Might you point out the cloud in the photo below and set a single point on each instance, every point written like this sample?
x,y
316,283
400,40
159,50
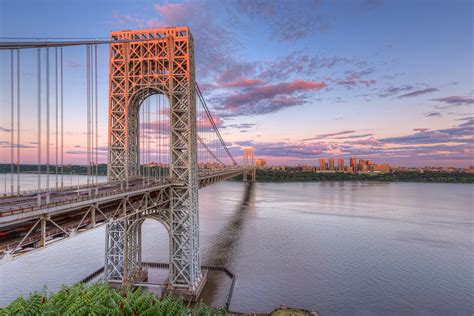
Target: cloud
x,y
463,133
370,141
354,136
456,100
300,64
21,146
433,114
388,92
241,126
417,93
329,135
284,149
268,98
6,130
213,40
467,121
354,78
449,146
242,83
421,129
287,20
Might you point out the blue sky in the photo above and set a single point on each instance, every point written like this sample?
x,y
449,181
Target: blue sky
x,y
391,81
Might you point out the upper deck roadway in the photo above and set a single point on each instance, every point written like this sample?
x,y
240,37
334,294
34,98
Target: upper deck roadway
x,y
26,224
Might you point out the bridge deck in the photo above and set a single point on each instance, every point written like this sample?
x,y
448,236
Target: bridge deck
x,y
68,210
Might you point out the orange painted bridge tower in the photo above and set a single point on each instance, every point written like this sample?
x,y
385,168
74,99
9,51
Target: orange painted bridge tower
x,y
143,63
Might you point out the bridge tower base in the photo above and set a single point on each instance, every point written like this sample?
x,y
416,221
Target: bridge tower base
x,y
253,176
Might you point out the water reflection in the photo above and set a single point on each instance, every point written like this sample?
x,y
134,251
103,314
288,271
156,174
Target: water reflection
x,y
222,250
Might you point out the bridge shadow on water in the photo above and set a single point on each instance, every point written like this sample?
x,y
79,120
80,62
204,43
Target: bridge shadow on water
x,y
223,249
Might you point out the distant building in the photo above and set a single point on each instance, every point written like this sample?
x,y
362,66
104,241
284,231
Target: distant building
x,y
382,168
260,163
331,164
353,164
306,168
322,164
340,165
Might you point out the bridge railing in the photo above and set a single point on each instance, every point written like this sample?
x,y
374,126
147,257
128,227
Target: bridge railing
x,y
58,189
35,207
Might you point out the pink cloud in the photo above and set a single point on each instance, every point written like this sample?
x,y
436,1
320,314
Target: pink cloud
x,y
270,91
421,129
242,83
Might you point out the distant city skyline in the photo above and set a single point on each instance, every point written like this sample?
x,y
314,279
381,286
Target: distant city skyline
x,y
297,80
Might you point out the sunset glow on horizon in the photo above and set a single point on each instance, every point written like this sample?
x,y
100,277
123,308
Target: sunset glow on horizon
x,y
296,80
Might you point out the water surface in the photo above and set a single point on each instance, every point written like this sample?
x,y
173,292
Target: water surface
x,y
339,247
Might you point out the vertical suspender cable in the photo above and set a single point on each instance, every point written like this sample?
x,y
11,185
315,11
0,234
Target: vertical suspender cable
x,y
142,140
92,115
96,117
18,121
145,137
148,136
47,118
62,119
39,121
12,121
160,151
158,101
56,112
88,111
93,131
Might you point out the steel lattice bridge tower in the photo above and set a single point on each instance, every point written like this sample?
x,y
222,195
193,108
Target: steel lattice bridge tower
x,y
162,64
143,63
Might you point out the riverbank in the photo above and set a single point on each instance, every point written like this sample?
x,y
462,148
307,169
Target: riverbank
x,y
426,177
265,175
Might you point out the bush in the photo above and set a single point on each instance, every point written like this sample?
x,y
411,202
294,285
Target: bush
x,y
100,299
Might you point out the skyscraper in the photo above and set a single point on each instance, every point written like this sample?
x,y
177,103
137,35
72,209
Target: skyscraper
x,y
353,164
331,164
340,164
322,164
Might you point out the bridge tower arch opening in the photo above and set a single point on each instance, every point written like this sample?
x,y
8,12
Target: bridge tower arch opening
x,y
142,63
149,128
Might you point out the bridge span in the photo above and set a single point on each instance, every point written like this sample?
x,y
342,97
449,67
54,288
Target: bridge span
x,y
26,226
154,166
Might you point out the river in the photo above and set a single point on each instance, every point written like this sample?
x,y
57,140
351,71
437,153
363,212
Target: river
x,y
342,248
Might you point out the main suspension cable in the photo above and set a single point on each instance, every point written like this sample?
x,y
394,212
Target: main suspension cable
x,y
209,115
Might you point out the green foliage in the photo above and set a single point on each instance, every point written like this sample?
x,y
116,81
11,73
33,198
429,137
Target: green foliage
x,y
100,299
399,176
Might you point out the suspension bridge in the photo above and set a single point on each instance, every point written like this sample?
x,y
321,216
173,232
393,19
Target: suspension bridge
x,y
163,145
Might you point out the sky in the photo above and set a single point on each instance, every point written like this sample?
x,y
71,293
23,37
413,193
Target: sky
x,y
390,81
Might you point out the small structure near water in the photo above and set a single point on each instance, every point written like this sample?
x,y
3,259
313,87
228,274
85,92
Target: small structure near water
x,y
288,311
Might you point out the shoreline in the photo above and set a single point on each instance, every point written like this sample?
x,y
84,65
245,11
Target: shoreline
x,y
267,176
